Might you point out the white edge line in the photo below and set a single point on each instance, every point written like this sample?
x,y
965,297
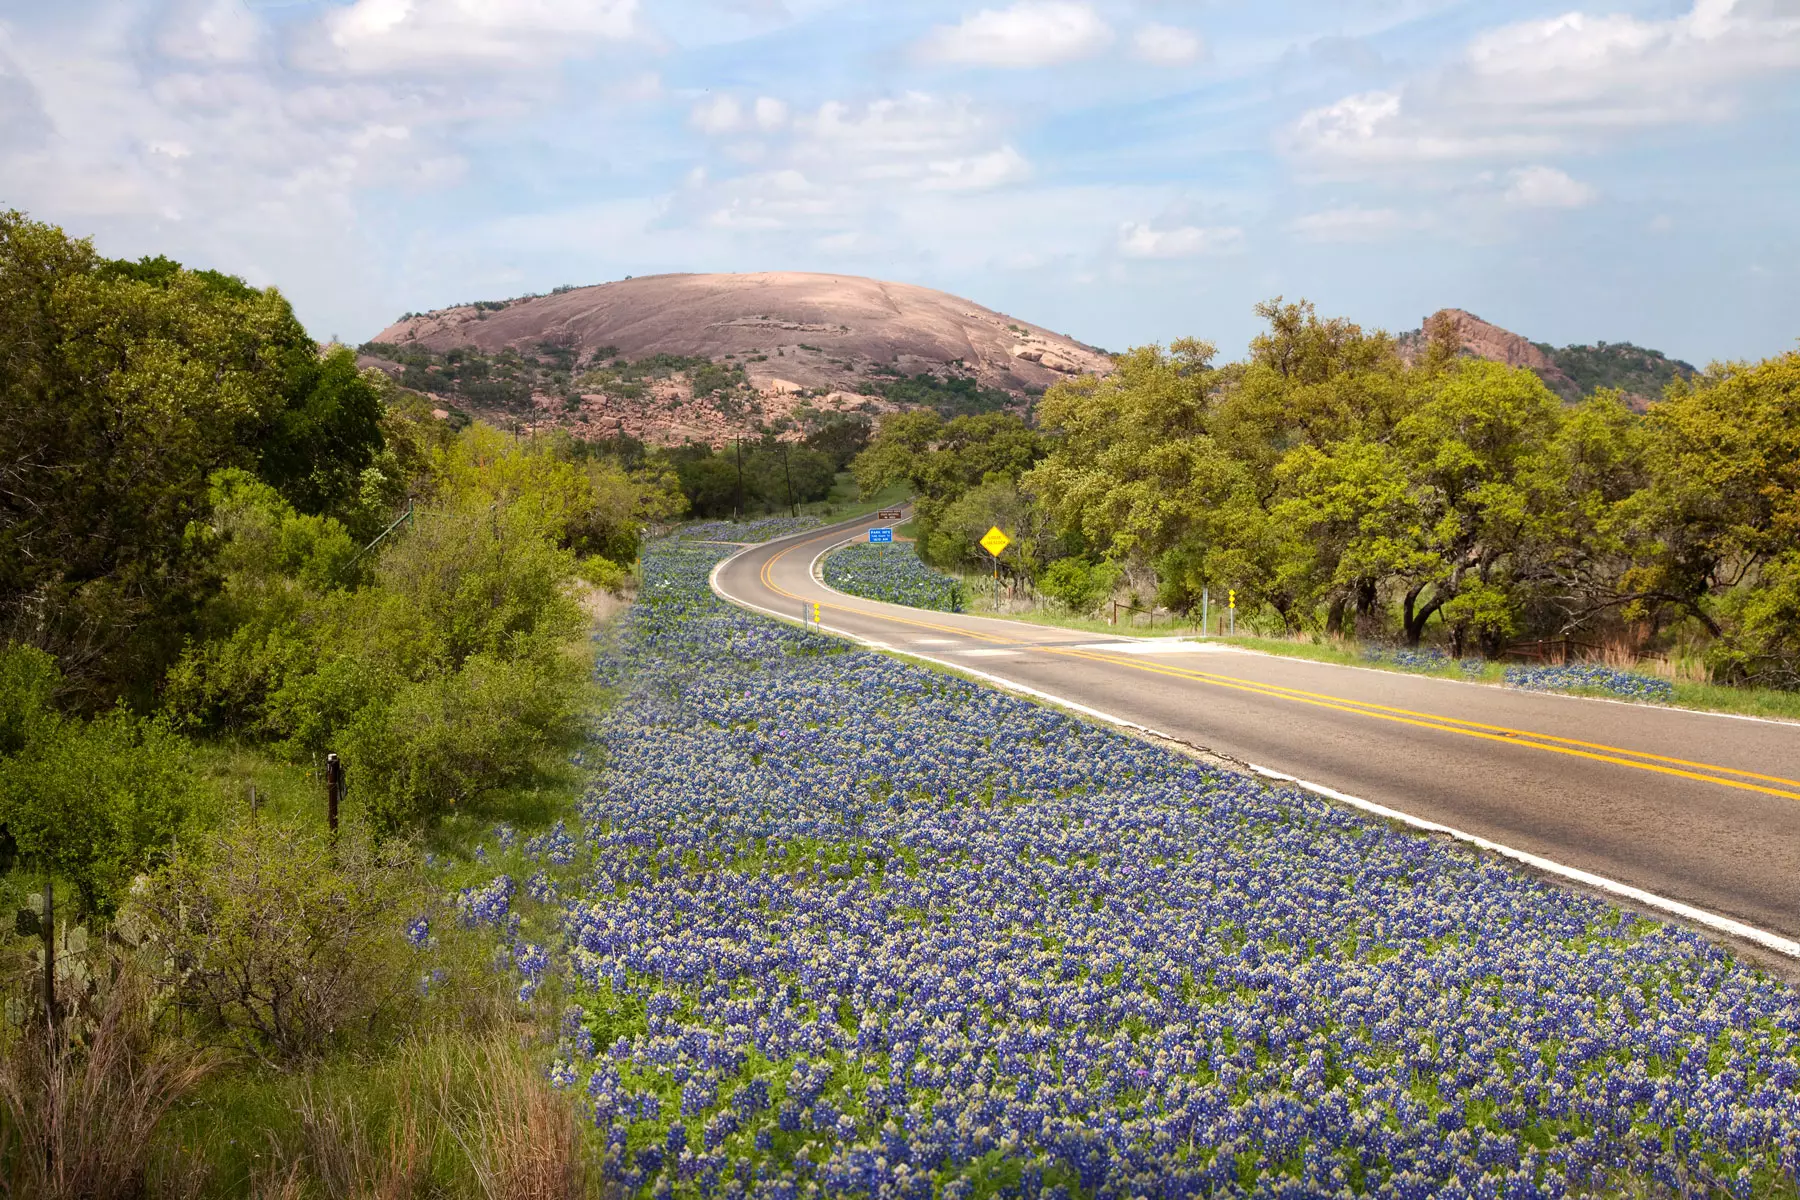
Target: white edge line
x,y
819,578
1699,916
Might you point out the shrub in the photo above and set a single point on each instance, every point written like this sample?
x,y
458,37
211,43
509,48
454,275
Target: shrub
x,y
91,801
1080,585
278,942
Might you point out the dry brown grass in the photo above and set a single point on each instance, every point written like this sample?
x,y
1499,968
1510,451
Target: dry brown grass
x,y
453,1116
82,1103
522,1141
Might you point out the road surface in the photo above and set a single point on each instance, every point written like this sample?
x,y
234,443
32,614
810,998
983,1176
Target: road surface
x,y
1698,808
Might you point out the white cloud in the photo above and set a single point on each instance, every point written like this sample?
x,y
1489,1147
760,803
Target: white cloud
x,y
978,172
1532,88
1137,240
1031,33
723,114
845,169
1547,187
400,35
770,113
218,31
1168,45
1348,224
717,114
892,135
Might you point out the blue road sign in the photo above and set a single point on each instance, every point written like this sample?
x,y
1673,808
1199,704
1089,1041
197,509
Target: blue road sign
x,y
881,535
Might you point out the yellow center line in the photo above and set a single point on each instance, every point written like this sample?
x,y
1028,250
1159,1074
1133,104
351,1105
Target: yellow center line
x,y
1283,691
1504,735
1442,726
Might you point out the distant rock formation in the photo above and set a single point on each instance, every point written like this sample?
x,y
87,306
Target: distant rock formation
x,y
827,342
1571,371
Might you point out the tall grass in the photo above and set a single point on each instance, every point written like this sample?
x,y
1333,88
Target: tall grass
x,y
451,1115
80,1102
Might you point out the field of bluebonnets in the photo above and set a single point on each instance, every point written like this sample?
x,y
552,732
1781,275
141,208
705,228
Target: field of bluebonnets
x,y
1590,677
894,573
835,925
764,529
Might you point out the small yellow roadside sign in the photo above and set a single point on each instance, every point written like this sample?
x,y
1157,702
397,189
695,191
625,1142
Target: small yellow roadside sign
x,y
993,541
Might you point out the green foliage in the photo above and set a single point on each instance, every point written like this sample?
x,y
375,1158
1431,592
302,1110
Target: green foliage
x,y
1618,366
123,387
91,802
947,395
1079,585
1332,485
763,476
840,439
282,943
1721,515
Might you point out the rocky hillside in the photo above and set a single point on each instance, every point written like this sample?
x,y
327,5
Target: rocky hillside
x,y
1571,371
668,358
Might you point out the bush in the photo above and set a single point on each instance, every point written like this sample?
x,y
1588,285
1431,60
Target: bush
x,y
1078,584
281,943
91,801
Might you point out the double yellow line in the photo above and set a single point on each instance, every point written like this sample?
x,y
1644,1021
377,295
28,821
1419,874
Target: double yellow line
x,y
1681,768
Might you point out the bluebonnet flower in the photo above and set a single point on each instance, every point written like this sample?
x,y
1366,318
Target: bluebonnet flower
x,y
766,529
885,929
1591,678
490,905
892,572
418,931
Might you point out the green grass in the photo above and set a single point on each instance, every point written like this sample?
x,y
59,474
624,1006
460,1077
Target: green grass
x,y
846,502
980,592
291,792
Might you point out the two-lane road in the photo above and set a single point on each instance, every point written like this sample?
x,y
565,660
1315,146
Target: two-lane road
x,y
1698,808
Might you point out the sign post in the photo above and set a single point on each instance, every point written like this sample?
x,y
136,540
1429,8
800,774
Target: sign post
x,y
993,541
1232,594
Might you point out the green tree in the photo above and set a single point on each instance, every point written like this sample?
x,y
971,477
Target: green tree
x,y
946,463
123,387
1716,529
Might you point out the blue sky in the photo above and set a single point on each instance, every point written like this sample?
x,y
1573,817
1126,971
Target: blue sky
x,y
1124,171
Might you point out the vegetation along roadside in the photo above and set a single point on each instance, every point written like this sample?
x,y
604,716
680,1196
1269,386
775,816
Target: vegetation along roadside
x,y
271,560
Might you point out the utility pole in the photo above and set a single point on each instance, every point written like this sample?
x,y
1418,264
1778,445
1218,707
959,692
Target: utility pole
x,y
789,476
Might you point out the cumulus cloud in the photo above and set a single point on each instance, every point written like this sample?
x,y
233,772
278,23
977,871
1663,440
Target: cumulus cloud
x,y
828,172
976,172
717,114
1168,45
1138,240
411,35
769,113
1546,187
1031,33
1348,224
725,114
1531,88
216,31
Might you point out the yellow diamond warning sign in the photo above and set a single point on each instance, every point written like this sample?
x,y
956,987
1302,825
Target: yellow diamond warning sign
x,y
993,541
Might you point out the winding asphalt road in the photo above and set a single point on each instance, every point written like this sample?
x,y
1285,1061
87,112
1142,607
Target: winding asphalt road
x,y
1697,809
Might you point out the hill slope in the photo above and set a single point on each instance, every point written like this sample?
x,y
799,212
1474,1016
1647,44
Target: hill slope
x,y
669,357
1571,371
